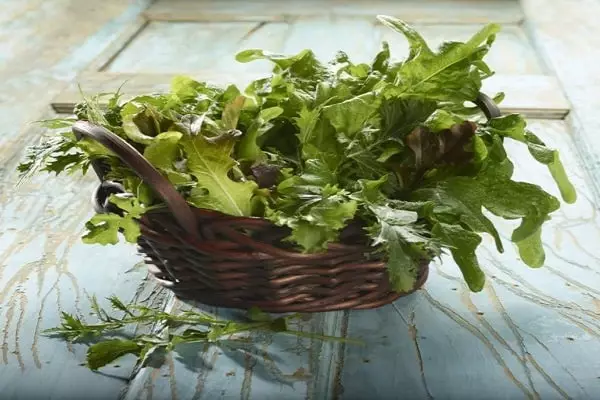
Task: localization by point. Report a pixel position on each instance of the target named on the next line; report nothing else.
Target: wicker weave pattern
(242, 262)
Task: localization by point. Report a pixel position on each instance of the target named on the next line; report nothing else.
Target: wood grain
(44, 267)
(167, 47)
(525, 336)
(269, 10)
(537, 96)
(573, 56)
(532, 333)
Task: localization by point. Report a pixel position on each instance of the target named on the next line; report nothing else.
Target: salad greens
(108, 338)
(391, 145)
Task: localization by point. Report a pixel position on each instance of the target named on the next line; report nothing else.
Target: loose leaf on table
(170, 330)
(103, 353)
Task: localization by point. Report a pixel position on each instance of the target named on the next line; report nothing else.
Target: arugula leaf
(514, 126)
(550, 157)
(452, 74)
(317, 138)
(460, 200)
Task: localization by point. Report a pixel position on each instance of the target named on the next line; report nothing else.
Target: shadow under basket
(243, 262)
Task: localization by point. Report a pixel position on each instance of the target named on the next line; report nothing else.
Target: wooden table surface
(531, 333)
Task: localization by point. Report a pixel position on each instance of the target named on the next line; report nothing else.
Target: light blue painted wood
(44, 267)
(271, 367)
(530, 333)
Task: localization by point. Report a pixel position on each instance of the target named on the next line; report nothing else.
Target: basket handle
(130, 156)
(487, 105)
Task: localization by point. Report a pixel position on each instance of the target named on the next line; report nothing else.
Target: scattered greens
(391, 145)
(110, 337)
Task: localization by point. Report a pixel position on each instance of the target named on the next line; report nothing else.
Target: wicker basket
(241, 262)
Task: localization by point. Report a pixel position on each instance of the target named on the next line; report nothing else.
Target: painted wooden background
(529, 334)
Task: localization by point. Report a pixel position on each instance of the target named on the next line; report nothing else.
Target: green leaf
(104, 228)
(349, 117)
(460, 200)
(442, 119)
(399, 116)
(382, 59)
(462, 244)
(514, 126)
(210, 162)
(117, 304)
(131, 129)
(397, 231)
(270, 113)
(302, 65)
(231, 112)
(163, 150)
(510, 125)
(185, 87)
(454, 73)
(531, 249)
(313, 207)
(551, 158)
(317, 138)
(57, 123)
(103, 353)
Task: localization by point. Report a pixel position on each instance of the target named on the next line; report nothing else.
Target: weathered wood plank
(164, 47)
(271, 367)
(572, 54)
(530, 333)
(533, 95)
(328, 35)
(111, 52)
(425, 11)
(44, 267)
